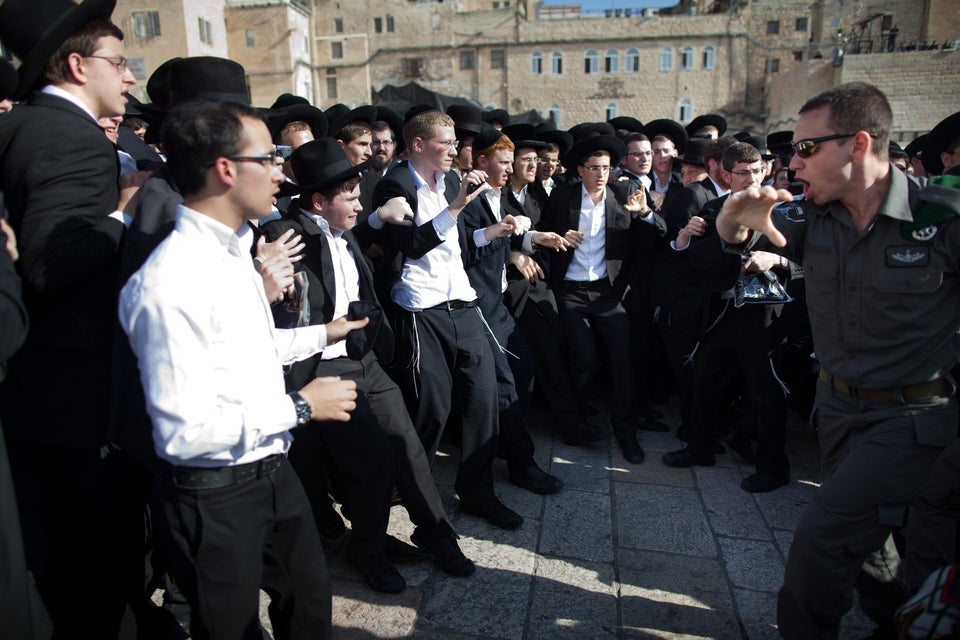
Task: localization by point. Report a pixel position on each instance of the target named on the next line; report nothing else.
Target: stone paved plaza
(624, 551)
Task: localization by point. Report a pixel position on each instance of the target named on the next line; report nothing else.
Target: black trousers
(593, 319)
(385, 421)
(453, 364)
(224, 543)
(680, 334)
(81, 511)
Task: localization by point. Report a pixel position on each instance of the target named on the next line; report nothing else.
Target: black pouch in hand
(361, 341)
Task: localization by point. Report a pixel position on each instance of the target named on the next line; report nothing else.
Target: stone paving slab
(730, 510)
(573, 600)
(661, 518)
(752, 564)
(578, 527)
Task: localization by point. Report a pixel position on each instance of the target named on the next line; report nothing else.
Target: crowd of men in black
(433, 269)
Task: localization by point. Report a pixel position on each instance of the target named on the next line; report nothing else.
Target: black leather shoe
(649, 413)
(380, 574)
(762, 483)
(683, 434)
(535, 479)
(686, 458)
(649, 424)
(631, 449)
(399, 551)
(585, 434)
(447, 553)
(494, 512)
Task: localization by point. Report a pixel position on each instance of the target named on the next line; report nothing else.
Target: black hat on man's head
(496, 116)
(627, 123)
(916, 146)
(319, 164)
(33, 31)
(486, 138)
(760, 144)
(586, 129)
(340, 115)
(523, 135)
(562, 139)
(594, 142)
(289, 108)
(693, 154)
(669, 128)
(416, 110)
(780, 142)
(465, 118)
(182, 80)
(707, 120)
(937, 142)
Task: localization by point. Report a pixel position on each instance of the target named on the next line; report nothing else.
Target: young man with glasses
(883, 292)
(80, 517)
(549, 163)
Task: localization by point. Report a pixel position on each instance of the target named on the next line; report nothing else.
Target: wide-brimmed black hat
(627, 123)
(486, 138)
(669, 128)
(321, 163)
(396, 121)
(586, 129)
(340, 115)
(693, 154)
(562, 139)
(499, 116)
(522, 135)
(760, 144)
(937, 141)
(780, 141)
(915, 147)
(290, 108)
(594, 142)
(416, 110)
(8, 79)
(465, 118)
(707, 120)
(33, 31)
(181, 80)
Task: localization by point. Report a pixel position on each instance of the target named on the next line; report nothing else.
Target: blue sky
(600, 5)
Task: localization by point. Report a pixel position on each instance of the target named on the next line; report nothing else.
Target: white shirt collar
(52, 90)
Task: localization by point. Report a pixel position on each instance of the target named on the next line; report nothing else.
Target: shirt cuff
(443, 222)
(375, 222)
(527, 244)
(673, 245)
(121, 217)
(480, 238)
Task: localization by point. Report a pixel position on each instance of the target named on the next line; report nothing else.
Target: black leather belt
(214, 477)
(909, 393)
(586, 285)
(451, 305)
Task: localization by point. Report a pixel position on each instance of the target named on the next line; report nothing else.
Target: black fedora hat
(290, 108)
(181, 80)
(523, 135)
(707, 120)
(669, 128)
(416, 110)
(499, 116)
(780, 141)
(562, 139)
(693, 154)
(937, 141)
(760, 144)
(340, 115)
(586, 129)
(465, 118)
(392, 118)
(627, 123)
(320, 163)
(595, 142)
(8, 79)
(33, 31)
(487, 137)
(916, 146)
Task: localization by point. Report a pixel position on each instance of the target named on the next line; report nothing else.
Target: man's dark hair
(352, 131)
(84, 41)
(857, 106)
(635, 136)
(716, 149)
(134, 123)
(740, 152)
(329, 192)
(552, 147)
(195, 134)
(381, 125)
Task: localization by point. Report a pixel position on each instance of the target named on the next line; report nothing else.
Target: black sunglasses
(809, 146)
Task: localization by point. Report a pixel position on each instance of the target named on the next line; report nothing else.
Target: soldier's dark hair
(195, 134)
(854, 107)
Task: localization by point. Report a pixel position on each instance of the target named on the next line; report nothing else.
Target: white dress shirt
(209, 355)
(589, 260)
(346, 276)
(438, 276)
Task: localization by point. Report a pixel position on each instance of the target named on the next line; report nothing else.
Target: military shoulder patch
(939, 201)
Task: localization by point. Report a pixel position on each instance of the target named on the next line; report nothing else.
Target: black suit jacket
(317, 262)
(59, 174)
(626, 234)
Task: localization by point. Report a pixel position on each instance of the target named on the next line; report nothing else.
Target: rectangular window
(802, 24)
(338, 25)
(773, 27)
(413, 67)
(886, 23)
(389, 24)
(773, 65)
(498, 58)
(496, 5)
(206, 26)
(378, 25)
(332, 88)
(146, 24)
(251, 37)
(466, 60)
(336, 50)
(798, 56)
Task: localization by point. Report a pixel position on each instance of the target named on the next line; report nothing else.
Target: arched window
(666, 59)
(611, 111)
(591, 62)
(686, 111)
(556, 63)
(686, 58)
(536, 63)
(631, 61)
(554, 115)
(611, 61)
(709, 57)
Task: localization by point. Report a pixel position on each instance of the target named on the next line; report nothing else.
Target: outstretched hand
(750, 209)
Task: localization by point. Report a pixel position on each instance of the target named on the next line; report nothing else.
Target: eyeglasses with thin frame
(640, 154)
(530, 160)
(809, 146)
(449, 144)
(746, 173)
(597, 168)
(119, 62)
